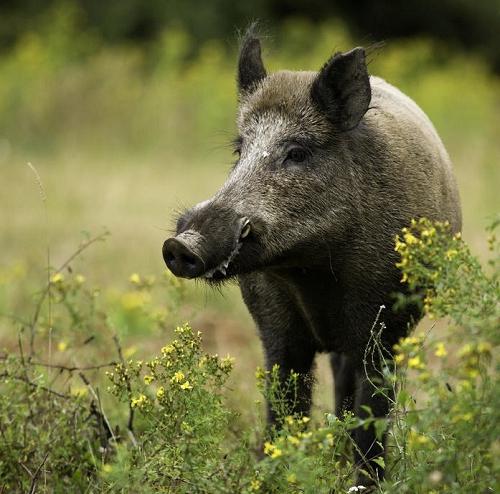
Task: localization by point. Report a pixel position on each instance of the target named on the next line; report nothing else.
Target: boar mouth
(191, 253)
(219, 272)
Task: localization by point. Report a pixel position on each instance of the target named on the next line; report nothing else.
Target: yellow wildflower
(160, 393)
(139, 402)
(466, 350)
(329, 438)
(410, 239)
(415, 363)
(276, 453)
(135, 279)
(451, 253)
(62, 345)
(415, 438)
(260, 373)
(484, 347)
(79, 391)
(80, 279)
(293, 440)
(289, 420)
(255, 485)
(167, 349)
(268, 448)
(292, 478)
(129, 351)
(178, 377)
(305, 420)
(186, 385)
(440, 350)
(57, 278)
(148, 379)
(399, 358)
(227, 362)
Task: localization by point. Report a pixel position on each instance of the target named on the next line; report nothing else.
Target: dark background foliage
(467, 24)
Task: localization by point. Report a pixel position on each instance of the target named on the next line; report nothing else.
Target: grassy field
(123, 138)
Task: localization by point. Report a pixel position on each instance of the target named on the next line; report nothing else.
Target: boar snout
(209, 251)
(181, 258)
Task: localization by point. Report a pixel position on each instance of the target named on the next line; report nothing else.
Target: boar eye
(296, 155)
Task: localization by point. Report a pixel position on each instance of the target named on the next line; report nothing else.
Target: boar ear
(342, 89)
(250, 67)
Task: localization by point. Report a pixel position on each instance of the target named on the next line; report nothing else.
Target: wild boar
(331, 165)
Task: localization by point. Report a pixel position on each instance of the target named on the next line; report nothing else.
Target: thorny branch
(84, 246)
(130, 424)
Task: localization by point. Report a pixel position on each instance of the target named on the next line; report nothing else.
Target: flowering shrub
(163, 424)
(447, 415)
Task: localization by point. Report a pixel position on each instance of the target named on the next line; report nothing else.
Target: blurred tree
(470, 24)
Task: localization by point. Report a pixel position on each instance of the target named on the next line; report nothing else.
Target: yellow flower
(134, 300)
(399, 245)
(276, 453)
(80, 279)
(415, 438)
(135, 279)
(148, 379)
(79, 391)
(260, 373)
(292, 478)
(167, 349)
(160, 393)
(466, 350)
(472, 373)
(139, 402)
(305, 420)
(484, 347)
(255, 485)
(129, 351)
(62, 345)
(451, 253)
(178, 377)
(57, 278)
(415, 363)
(399, 358)
(293, 440)
(329, 438)
(186, 385)
(227, 363)
(268, 448)
(410, 239)
(440, 350)
(289, 420)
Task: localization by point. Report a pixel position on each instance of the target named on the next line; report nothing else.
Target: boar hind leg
(344, 376)
(369, 449)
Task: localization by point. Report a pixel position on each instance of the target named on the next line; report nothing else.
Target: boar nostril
(181, 260)
(187, 259)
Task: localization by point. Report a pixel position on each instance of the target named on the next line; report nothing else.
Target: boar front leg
(285, 339)
(287, 348)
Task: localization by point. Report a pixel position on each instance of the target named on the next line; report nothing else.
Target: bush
(170, 428)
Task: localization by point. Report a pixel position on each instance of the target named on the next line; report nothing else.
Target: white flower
(357, 488)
